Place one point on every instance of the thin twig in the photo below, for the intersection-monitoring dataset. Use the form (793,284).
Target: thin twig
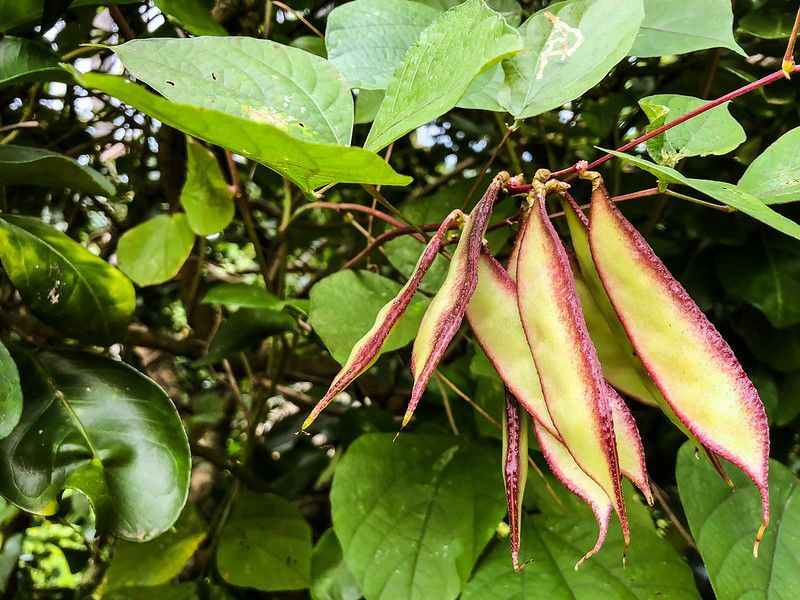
(467,399)
(659,496)
(122,22)
(788,66)
(447,408)
(300,17)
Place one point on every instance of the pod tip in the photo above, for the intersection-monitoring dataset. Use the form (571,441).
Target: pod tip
(759,535)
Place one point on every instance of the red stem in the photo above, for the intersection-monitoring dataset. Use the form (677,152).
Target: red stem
(572,171)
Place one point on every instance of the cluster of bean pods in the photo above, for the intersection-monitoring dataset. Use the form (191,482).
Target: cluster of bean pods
(566,329)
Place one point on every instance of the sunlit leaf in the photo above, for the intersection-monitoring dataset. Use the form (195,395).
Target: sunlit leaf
(154,251)
(774,176)
(206,197)
(10,393)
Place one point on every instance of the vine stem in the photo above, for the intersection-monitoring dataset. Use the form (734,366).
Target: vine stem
(573,171)
(788,67)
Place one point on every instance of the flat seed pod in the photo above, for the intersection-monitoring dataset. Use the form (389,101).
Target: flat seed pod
(494,318)
(567,363)
(368,348)
(446,311)
(576,481)
(515,467)
(629,444)
(687,358)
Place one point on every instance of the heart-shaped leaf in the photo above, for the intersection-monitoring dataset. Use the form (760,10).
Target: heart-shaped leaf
(249,78)
(100,427)
(64,284)
(154,251)
(414,514)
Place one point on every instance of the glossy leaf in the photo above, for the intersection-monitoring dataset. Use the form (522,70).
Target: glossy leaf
(265,544)
(99,427)
(10,393)
(154,251)
(691,364)
(206,197)
(243,329)
(721,522)
(21,165)
(307,164)
(244,295)
(726,193)
(64,284)
(569,48)
(23,60)
(712,132)
(768,23)
(680,26)
(773,175)
(366,39)
(330,577)
(414,514)
(192,15)
(344,307)
(654,568)
(457,47)
(159,560)
(287,87)
(766,275)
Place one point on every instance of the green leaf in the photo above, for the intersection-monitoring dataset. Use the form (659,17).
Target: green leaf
(248,78)
(189,590)
(654,568)
(159,560)
(765,274)
(18,12)
(307,164)
(437,70)
(310,43)
(193,16)
(724,524)
(727,193)
(778,348)
(64,284)
(154,251)
(100,427)
(414,514)
(368,102)
(680,26)
(243,329)
(344,306)
(266,544)
(510,9)
(244,295)
(206,197)
(330,577)
(569,48)
(366,39)
(20,165)
(774,176)
(10,393)
(768,24)
(712,132)
(24,60)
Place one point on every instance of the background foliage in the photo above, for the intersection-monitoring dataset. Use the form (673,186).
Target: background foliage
(182,270)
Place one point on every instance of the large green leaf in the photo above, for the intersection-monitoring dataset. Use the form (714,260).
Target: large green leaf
(712,132)
(159,560)
(330,577)
(724,524)
(436,71)
(248,78)
(307,164)
(206,197)
(727,193)
(64,284)
(414,514)
(154,251)
(774,176)
(244,329)
(24,60)
(193,15)
(679,26)
(345,304)
(20,165)
(366,39)
(100,427)
(569,48)
(554,543)
(765,274)
(266,544)
(10,393)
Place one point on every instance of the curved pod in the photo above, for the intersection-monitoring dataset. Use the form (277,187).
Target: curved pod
(691,364)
